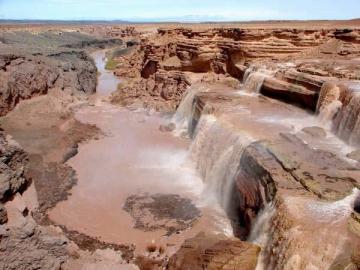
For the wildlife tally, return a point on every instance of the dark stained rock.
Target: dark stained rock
(357, 205)
(167, 128)
(3, 214)
(168, 212)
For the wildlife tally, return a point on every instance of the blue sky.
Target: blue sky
(185, 10)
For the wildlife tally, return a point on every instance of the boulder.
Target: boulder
(167, 128)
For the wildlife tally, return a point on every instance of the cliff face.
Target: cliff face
(14, 166)
(33, 64)
(291, 65)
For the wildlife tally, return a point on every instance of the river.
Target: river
(137, 166)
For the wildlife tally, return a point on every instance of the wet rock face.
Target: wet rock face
(357, 205)
(3, 215)
(168, 212)
(215, 252)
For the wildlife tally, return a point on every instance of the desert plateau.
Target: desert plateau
(180, 146)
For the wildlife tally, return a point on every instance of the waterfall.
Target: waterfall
(261, 232)
(254, 78)
(347, 122)
(216, 151)
(248, 71)
(328, 112)
(284, 247)
(254, 82)
(183, 113)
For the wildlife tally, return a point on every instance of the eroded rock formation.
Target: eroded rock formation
(276, 168)
(215, 252)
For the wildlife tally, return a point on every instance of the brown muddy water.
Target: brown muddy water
(136, 185)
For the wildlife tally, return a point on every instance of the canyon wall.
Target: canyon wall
(33, 64)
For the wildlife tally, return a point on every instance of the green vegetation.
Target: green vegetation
(111, 64)
(113, 54)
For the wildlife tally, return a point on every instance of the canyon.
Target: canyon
(180, 146)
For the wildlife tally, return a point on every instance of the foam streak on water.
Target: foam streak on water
(333, 212)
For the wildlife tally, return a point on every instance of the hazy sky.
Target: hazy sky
(179, 9)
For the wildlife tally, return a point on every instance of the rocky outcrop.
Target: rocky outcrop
(14, 165)
(23, 244)
(31, 65)
(214, 252)
(168, 87)
(234, 52)
(28, 246)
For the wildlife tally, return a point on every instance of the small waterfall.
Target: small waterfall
(328, 112)
(261, 232)
(248, 71)
(347, 122)
(254, 82)
(329, 93)
(254, 78)
(295, 247)
(216, 151)
(183, 113)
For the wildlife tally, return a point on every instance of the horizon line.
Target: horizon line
(176, 20)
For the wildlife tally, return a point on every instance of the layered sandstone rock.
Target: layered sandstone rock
(31, 65)
(213, 252)
(232, 51)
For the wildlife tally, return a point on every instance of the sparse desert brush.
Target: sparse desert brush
(111, 64)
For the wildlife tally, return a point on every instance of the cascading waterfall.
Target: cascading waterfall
(254, 82)
(248, 71)
(254, 78)
(183, 113)
(216, 151)
(347, 121)
(261, 232)
(328, 112)
(267, 232)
